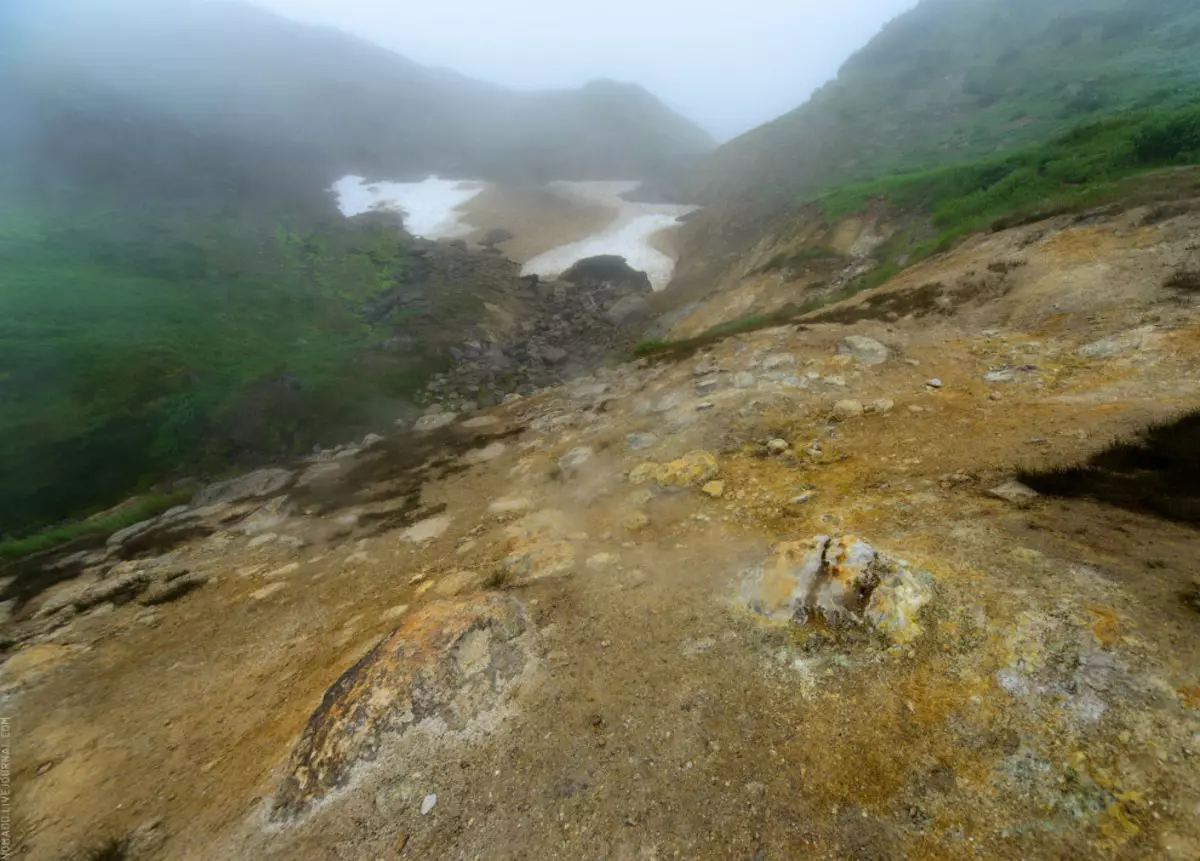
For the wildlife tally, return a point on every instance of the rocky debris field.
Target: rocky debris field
(790, 597)
(592, 312)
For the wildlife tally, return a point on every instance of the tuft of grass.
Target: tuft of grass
(1155, 472)
(677, 350)
(113, 849)
(498, 579)
(798, 259)
(1187, 281)
(649, 348)
(12, 549)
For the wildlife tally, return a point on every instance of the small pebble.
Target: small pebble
(428, 804)
(935, 383)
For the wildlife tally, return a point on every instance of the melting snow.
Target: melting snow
(628, 235)
(430, 210)
(429, 207)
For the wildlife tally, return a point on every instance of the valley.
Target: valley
(1029, 692)
(402, 466)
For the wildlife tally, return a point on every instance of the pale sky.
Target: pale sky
(727, 64)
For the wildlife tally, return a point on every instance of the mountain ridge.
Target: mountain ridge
(361, 107)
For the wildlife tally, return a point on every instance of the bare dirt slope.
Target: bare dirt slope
(1040, 700)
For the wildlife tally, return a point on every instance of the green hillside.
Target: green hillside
(179, 295)
(953, 80)
(173, 303)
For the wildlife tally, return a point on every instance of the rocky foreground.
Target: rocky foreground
(780, 599)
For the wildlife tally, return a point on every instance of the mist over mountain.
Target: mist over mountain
(252, 77)
(955, 79)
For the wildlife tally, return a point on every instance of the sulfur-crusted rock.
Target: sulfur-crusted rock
(536, 547)
(693, 469)
(842, 580)
(445, 667)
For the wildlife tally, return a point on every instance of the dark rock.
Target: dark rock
(495, 236)
(607, 270)
(449, 663)
(553, 355)
(172, 589)
(254, 485)
(629, 310)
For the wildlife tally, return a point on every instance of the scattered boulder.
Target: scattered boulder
(635, 521)
(323, 473)
(864, 350)
(882, 405)
(535, 548)
(693, 469)
(449, 665)
(846, 410)
(715, 489)
(1117, 345)
(779, 360)
(571, 462)
(254, 485)
(172, 589)
(487, 453)
(174, 527)
(843, 580)
(432, 422)
(427, 529)
(553, 355)
(1014, 492)
(629, 310)
(496, 236)
(640, 441)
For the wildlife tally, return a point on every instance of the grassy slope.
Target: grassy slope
(1113, 159)
(132, 349)
(951, 84)
(954, 80)
(174, 303)
(177, 292)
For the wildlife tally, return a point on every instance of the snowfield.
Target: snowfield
(432, 209)
(629, 235)
(429, 207)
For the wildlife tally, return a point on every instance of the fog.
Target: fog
(728, 66)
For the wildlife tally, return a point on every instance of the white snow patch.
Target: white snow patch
(430, 210)
(429, 207)
(628, 235)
